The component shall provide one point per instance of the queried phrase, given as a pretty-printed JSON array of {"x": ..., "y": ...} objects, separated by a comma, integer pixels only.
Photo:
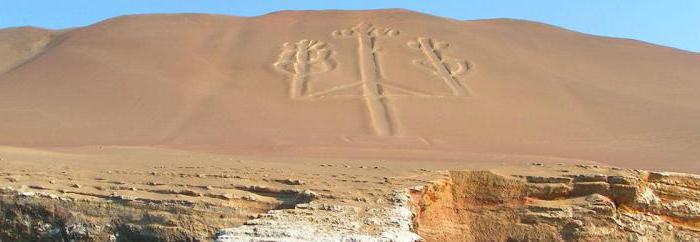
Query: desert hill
[{"x": 388, "y": 84}]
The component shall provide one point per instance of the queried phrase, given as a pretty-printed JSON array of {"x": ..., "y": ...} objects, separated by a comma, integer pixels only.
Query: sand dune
[
  {"x": 19, "y": 45},
  {"x": 387, "y": 84}
]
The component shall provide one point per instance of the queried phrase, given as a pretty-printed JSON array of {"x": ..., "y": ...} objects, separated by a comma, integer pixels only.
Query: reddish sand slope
[{"x": 412, "y": 86}]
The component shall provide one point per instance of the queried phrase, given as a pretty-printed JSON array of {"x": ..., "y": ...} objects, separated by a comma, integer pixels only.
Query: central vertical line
[
  {"x": 370, "y": 84},
  {"x": 301, "y": 67}
]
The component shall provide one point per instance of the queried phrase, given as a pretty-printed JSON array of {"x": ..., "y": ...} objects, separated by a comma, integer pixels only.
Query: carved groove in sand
[
  {"x": 307, "y": 57},
  {"x": 302, "y": 59},
  {"x": 366, "y": 36},
  {"x": 438, "y": 64}
]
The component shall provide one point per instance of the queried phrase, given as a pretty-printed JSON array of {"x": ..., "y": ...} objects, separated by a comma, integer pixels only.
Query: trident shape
[
  {"x": 307, "y": 57},
  {"x": 372, "y": 92}
]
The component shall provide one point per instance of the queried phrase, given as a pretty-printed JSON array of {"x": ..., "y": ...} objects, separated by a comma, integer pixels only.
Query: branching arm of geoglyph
[
  {"x": 435, "y": 62},
  {"x": 302, "y": 59}
]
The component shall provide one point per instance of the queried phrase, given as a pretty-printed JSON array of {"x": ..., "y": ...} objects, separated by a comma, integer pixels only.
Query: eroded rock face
[
  {"x": 326, "y": 222},
  {"x": 45, "y": 216},
  {"x": 543, "y": 202},
  {"x": 622, "y": 206}
]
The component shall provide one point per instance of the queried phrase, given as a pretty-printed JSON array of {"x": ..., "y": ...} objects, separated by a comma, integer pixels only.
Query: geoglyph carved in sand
[{"x": 308, "y": 57}]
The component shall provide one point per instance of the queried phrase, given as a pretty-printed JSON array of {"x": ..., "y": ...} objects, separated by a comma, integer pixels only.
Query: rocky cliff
[
  {"x": 537, "y": 202},
  {"x": 600, "y": 205}
]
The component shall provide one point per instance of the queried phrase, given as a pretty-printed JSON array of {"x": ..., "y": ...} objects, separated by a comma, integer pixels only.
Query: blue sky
[{"x": 674, "y": 23}]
